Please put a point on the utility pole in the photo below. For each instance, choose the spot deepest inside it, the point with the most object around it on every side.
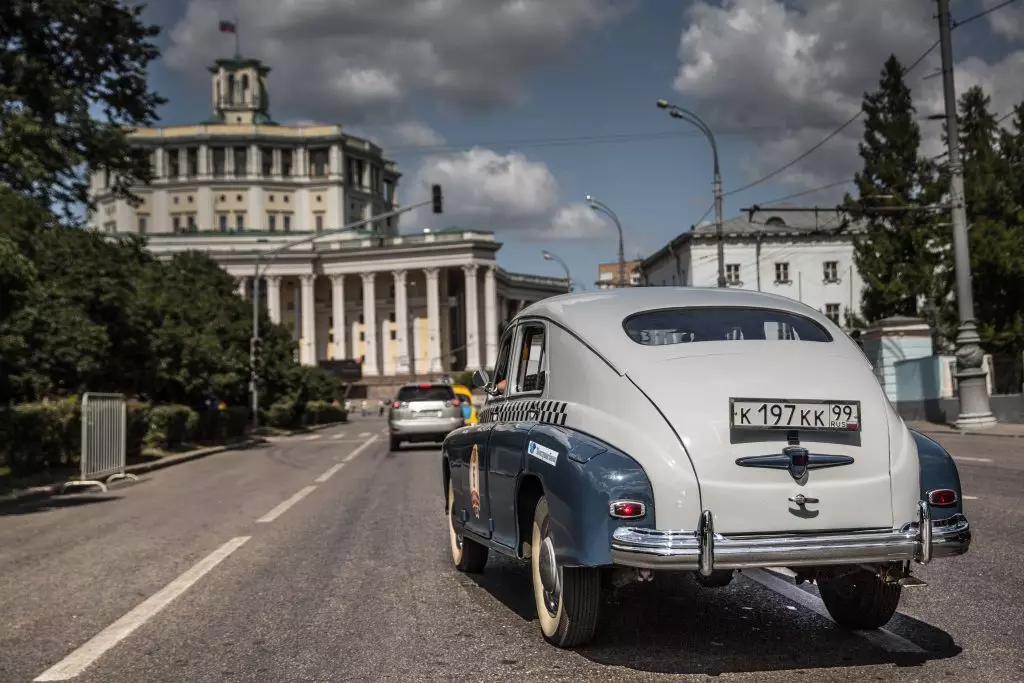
(971, 382)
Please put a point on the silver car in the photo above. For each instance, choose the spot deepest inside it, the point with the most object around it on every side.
(424, 412)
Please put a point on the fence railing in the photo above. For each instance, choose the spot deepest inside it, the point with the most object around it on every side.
(104, 441)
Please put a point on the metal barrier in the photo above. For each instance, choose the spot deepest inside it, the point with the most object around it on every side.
(104, 441)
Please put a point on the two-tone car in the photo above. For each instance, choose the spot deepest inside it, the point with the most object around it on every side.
(658, 429)
(427, 411)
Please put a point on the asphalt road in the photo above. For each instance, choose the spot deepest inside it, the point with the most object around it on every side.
(324, 558)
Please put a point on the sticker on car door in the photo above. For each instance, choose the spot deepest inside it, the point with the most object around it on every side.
(543, 453)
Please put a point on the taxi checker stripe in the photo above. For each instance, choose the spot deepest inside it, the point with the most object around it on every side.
(547, 411)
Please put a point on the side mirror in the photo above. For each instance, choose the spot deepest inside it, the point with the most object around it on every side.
(480, 379)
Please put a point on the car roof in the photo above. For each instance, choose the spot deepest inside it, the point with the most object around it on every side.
(592, 315)
(424, 385)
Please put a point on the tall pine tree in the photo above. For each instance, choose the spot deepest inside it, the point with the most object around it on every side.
(902, 257)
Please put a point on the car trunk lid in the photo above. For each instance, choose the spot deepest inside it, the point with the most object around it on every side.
(695, 392)
(423, 401)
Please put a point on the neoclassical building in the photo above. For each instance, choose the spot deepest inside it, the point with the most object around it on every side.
(240, 187)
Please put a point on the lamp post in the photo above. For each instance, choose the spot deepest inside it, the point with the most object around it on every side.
(600, 207)
(548, 256)
(677, 112)
(972, 387)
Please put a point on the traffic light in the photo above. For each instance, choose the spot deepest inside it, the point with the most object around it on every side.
(437, 199)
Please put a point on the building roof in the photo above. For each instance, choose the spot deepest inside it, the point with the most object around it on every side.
(597, 317)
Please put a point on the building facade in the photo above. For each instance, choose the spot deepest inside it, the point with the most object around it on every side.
(608, 274)
(799, 255)
(241, 187)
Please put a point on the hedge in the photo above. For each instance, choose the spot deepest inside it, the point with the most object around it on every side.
(47, 436)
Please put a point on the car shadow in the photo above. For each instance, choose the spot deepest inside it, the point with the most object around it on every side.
(417, 447)
(55, 503)
(674, 626)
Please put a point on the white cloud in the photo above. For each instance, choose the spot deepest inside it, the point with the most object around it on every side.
(803, 66)
(362, 60)
(502, 192)
(1008, 21)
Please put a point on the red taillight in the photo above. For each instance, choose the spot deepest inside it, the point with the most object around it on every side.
(455, 402)
(942, 497)
(395, 404)
(425, 386)
(626, 509)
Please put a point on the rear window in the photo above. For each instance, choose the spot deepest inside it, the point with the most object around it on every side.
(438, 392)
(685, 325)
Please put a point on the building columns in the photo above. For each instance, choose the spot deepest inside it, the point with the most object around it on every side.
(338, 315)
(370, 325)
(472, 319)
(274, 298)
(402, 357)
(491, 316)
(307, 350)
(433, 321)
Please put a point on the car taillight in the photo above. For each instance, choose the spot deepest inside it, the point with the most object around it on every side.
(395, 404)
(455, 402)
(627, 509)
(942, 497)
(425, 386)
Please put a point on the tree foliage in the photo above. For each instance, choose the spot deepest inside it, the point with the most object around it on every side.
(62, 64)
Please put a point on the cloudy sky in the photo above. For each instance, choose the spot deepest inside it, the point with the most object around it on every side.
(520, 108)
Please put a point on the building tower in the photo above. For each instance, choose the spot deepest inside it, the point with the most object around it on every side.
(240, 91)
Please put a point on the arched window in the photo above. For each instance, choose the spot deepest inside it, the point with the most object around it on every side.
(245, 87)
(231, 89)
(775, 220)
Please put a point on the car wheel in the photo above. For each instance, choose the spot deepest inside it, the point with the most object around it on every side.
(468, 555)
(396, 443)
(568, 598)
(860, 600)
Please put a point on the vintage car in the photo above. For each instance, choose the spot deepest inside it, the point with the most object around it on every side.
(698, 430)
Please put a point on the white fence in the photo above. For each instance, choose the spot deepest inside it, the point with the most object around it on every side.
(104, 441)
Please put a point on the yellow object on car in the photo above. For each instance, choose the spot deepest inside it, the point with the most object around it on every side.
(466, 399)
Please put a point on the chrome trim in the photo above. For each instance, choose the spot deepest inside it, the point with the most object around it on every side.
(611, 509)
(705, 551)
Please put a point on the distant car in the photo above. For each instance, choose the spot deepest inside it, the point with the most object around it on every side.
(697, 430)
(424, 412)
(466, 400)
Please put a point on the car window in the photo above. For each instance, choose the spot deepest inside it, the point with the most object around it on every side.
(530, 369)
(426, 392)
(686, 325)
(504, 356)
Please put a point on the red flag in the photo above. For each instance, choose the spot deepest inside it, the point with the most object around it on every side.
(227, 27)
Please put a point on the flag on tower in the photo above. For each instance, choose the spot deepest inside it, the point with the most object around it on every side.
(227, 27)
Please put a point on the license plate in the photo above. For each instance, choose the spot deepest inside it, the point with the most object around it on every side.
(754, 413)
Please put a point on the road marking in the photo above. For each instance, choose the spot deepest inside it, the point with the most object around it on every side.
(312, 437)
(363, 435)
(77, 662)
(354, 454)
(881, 637)
(338, 435)
(329, 473)
(966, 459)
(970, 498)
(283, 507)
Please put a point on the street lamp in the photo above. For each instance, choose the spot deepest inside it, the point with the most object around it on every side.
(548, 256)
(603, 208)
(677, 112)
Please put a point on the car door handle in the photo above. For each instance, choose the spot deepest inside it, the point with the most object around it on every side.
(801, 499)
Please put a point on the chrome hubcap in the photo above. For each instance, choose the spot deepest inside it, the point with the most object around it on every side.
(550, 576)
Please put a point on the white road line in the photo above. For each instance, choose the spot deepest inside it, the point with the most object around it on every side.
(363, 435)
(338, 435)
(354, 454)
(312, 437)
(329, 473)
(881, 637)
(970, 498)
(283, 507)
(966, 459)
(77, 662)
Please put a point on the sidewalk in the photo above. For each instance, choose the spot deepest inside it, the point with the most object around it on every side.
(1003, 429)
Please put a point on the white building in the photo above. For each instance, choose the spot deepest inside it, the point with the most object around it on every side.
(801, 255)
(238, 186)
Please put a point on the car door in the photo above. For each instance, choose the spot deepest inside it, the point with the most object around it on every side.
(477, 452)
(507, 440)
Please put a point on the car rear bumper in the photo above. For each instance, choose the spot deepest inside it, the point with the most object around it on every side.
(703, 550)
(424, 426)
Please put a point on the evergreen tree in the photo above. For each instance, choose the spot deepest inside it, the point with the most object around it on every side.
(902, 257)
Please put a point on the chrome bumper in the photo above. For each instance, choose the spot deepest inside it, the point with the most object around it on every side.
(704, 550)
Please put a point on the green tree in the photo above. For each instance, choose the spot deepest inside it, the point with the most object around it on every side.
(61, 61)
(902, 256)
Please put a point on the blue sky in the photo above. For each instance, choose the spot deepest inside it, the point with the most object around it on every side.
(555, 88)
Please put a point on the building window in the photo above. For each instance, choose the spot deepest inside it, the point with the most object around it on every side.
(173, 164)
(266, 160)
(287, 222)
(319, 161)
(732, 273)
(176, 223)
(362, 336)
(241, 161)
(175, 200)
(192, 162)
(391, 316)
(319, 222)
(782, 272)
(238, 197)
(191, 223)
(271, 222)
(832, 312)
(271, 198)
(394, 335)
(218, 156)
(831, 271)
(142, 225)
(286, 163)
(240, 221)
(223, 219)
(285, 198)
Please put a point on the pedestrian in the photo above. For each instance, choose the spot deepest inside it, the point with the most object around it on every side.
(363, 408)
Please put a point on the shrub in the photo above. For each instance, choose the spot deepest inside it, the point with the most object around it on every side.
(40, 436)
(171, 426)
(322, 412)
(137, 416)
(283, 415)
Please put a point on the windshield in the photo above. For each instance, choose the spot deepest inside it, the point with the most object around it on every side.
(429, 393)
(685, 325)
